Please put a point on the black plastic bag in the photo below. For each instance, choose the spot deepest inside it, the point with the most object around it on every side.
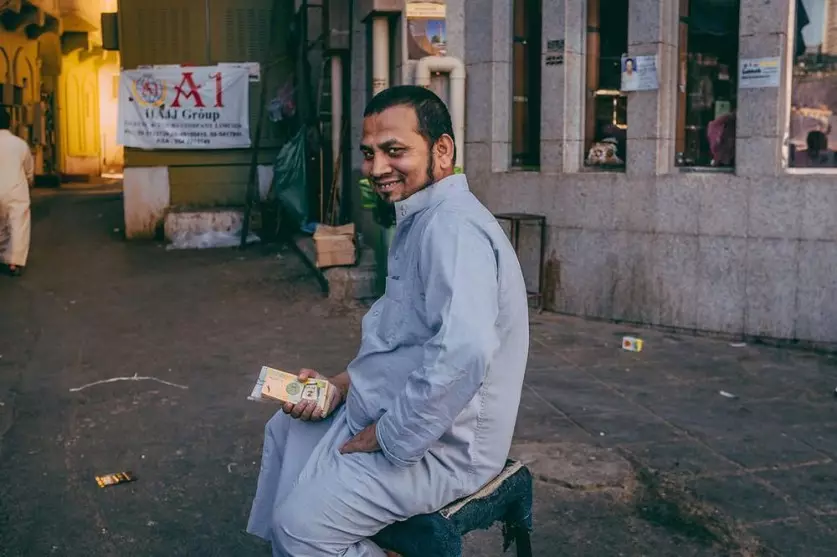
(290, 179)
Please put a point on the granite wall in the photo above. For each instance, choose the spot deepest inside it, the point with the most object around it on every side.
(751, 252)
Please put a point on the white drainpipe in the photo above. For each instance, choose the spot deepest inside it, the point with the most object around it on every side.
(336, 107)
(380, 55)
(380, 82)
(453, 66)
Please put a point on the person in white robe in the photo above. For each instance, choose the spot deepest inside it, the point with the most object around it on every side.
(16, 175)
(429, 404)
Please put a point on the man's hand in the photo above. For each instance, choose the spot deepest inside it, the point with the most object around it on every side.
(307, 411)
(364, 442)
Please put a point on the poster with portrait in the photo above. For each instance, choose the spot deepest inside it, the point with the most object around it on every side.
(427, 31)
(639, 73)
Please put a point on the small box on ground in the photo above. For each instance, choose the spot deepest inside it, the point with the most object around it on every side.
(632, 344)
(335, 245)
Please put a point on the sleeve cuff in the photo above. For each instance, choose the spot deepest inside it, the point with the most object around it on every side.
(381, 435)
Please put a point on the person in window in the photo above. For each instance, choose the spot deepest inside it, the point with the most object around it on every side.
(817, 155)
(720, 133)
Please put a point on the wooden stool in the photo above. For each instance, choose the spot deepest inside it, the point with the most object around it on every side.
(507, 499)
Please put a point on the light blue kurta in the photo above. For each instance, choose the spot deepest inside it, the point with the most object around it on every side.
(440, 369)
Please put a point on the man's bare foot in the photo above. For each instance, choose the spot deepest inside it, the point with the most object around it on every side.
(14, 270)
(392, 554)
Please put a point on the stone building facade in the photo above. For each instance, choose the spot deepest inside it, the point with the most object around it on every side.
(743, 246)
(750, 249)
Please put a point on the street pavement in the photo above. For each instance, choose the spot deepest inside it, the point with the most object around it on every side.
(634, 453)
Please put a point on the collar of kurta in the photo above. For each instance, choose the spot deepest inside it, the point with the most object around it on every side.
(430, 195)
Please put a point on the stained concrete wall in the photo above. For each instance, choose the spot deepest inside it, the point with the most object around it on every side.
(752, 252)
(152, 192)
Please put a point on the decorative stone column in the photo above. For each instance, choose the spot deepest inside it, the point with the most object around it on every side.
(652, 115)
(762, 113)
(562, 85)
(487, 52)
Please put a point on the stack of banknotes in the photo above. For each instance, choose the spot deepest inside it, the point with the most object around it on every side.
(279, 386)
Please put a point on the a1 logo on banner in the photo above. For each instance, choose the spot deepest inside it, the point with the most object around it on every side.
(149, 91)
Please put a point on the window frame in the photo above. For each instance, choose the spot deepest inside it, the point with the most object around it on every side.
(593, 56)
(788, 58)
(526, 17)
(682, 90)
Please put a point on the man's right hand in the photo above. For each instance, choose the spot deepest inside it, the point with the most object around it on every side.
(306, 410)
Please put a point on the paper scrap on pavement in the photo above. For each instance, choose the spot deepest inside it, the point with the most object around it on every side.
(115, 479)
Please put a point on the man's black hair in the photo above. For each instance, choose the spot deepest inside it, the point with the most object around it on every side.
(432, 114)
(5, 119)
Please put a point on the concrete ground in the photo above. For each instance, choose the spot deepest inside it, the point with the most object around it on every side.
(634, 453)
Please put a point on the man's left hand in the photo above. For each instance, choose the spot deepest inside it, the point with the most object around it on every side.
(364, 442)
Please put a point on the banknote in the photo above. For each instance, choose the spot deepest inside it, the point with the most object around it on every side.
(280, 386)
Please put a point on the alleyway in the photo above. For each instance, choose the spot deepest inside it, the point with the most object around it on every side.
(636, 454)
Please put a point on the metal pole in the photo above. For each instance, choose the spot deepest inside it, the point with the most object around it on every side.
(208, 36)
(250, 195)
(380, 82)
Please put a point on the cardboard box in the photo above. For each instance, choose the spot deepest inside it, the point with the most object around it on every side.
(335, 245)
(632, 344)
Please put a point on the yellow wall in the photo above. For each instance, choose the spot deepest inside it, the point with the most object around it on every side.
(113, 157)
(88, 106)
(19, 66)
(89, 114)
(113, 152)
(8, 46)
(79, 114)
(19, 62)
(50, 6)
(86, 110)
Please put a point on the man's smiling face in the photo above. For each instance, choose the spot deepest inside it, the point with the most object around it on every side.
(396, 159)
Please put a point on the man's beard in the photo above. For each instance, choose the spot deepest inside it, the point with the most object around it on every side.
(384, 212)
(431, 162)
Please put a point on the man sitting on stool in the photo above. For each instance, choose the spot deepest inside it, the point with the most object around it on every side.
(431, 398)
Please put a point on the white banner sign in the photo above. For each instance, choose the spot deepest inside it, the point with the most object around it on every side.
(185, 108)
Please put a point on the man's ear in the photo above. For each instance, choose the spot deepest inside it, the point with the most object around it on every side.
(444, 152)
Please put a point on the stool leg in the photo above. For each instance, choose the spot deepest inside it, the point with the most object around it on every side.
(541, 274)
(523, 542)
(518, 522)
